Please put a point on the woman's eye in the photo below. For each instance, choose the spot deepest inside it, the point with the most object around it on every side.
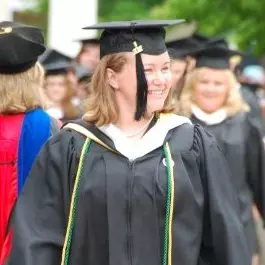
(218, 83)
(165, 69)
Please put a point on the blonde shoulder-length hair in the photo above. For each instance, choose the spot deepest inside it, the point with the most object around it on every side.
(234, 103)
(23, 91)
(101, 107)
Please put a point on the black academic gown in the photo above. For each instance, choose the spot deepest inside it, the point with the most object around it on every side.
(121, 207)
(241, 143)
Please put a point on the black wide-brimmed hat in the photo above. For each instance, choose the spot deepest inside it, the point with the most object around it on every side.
(20, 46)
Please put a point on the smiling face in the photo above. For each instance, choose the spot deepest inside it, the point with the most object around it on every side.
(159, 80)
(211, 89)
(158, 75)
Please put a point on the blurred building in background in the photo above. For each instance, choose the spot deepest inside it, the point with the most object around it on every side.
(62, 23)
(65, 22)
(9, 7)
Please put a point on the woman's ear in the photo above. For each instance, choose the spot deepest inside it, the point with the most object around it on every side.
(112, 79)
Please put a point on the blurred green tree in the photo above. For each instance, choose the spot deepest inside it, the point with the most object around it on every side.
(125, 9)
(241, 20)
(109, 9)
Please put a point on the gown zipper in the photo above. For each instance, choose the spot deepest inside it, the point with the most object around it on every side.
(129, 212)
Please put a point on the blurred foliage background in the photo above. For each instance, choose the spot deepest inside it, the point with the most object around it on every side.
(241, 21)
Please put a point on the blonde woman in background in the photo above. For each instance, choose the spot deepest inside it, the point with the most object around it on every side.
(211, 98)
(25, 127)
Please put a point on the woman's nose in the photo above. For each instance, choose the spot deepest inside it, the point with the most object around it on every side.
(160, 78)
(210, 87)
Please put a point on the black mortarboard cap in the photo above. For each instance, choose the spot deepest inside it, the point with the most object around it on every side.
(55, 62)
(216, 57)
(179, 49)
(200, 37)
(218, 41)
(141, 36)
(20, 46)
(207, 40)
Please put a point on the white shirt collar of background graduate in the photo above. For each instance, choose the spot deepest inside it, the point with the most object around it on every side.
(209, 118)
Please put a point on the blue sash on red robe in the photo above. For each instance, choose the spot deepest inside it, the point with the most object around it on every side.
(21, 138)
(35, 131)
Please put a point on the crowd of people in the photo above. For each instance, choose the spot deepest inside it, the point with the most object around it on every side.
(137, 151)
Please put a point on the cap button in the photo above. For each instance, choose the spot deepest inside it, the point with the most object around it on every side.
(137, 49)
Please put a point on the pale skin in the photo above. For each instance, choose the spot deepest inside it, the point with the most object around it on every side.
(158, 76)
(82, 90)
(55, 88)
(178, 68)
(90, 56)
(210, 89)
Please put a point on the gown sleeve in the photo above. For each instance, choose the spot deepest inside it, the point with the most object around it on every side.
(223, 240)
(40, 218)
(255, 158)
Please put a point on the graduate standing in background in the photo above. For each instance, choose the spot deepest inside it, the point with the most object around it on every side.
(211, 97)
(130, 183)
(58, 87)
(251, 76)
(25, 127)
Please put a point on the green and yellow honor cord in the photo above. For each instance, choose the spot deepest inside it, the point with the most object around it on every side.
(73, 205)
(169, 207)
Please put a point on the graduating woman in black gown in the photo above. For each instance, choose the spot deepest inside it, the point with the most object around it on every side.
(130, 183)
(211, 97)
